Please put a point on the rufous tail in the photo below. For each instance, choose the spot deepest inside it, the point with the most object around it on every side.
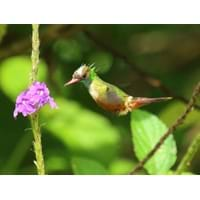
(142, 101)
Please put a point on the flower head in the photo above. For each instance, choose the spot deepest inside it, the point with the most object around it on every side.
(32, 99)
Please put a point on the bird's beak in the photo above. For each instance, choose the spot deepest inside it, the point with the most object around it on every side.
(72, 81)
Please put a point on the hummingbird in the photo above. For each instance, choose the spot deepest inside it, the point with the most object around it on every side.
(108, 96)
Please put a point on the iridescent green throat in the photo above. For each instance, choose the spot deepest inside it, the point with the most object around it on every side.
(91, 77)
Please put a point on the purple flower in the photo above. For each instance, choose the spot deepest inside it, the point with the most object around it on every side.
(32, 99)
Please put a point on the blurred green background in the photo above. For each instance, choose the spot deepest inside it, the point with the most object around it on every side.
(79, 137)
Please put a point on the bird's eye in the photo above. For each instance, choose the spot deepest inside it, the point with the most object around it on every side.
(84, 76)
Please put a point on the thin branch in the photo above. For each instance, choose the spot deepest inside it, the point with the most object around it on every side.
(187, 159)
(50, 33)
(178, 122)
(147, 77)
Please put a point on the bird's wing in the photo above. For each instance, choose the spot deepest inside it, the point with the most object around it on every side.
(107, 95)
(114, 94)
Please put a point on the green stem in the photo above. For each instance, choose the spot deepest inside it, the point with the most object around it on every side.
(35, 52)
(37, 144)
(35, 117)
(186, 161)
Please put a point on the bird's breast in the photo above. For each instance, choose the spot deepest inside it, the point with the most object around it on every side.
(106, 98)
(94, 91)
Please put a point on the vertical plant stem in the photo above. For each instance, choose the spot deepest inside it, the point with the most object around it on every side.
(186, 161)
(35, 117)
(37, 144)
(35, 52)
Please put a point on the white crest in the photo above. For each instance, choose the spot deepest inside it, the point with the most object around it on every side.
(81, 70)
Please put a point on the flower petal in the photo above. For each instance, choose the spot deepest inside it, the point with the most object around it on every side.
(52, 103)
(32, 99)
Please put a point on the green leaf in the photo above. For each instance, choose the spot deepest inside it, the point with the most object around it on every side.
(82, 131)
(147, 129)
(15, 73)
(55, 163)
(183, 173)
(85, 166)
(121, 166)
(19, 152)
